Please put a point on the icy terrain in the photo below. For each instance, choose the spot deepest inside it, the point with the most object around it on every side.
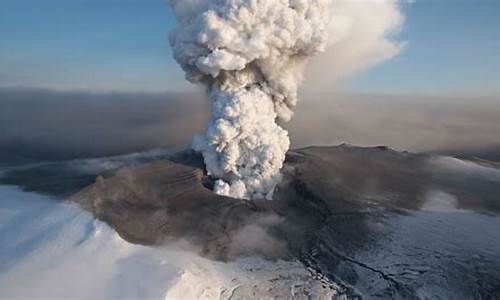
(50, 248)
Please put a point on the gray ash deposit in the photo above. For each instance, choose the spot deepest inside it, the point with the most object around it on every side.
(369, 222)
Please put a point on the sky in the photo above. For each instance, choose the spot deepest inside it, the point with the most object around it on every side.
(452, 48)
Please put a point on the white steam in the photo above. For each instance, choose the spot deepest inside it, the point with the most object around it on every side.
(362, 35)
(251, 55)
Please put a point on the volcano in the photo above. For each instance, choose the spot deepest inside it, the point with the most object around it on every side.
(365, 222)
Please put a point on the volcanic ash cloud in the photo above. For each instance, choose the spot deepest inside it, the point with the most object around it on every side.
(250, 54)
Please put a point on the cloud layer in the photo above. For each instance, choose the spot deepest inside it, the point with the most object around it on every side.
(415, 123)
(54, 125)
(44, 124)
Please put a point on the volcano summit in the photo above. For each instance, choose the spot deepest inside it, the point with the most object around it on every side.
(348, 214)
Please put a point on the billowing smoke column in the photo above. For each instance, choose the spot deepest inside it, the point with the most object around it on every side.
(250, 54)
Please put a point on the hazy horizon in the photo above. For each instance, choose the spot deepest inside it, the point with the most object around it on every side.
(45, 124)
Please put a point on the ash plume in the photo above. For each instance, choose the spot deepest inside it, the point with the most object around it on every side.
(250, 55)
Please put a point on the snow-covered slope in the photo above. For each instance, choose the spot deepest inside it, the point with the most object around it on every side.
(54, 249)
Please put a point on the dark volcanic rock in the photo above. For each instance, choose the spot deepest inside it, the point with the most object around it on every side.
(376, 222)
(61, 179)
(167, 201)
(386, 224)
